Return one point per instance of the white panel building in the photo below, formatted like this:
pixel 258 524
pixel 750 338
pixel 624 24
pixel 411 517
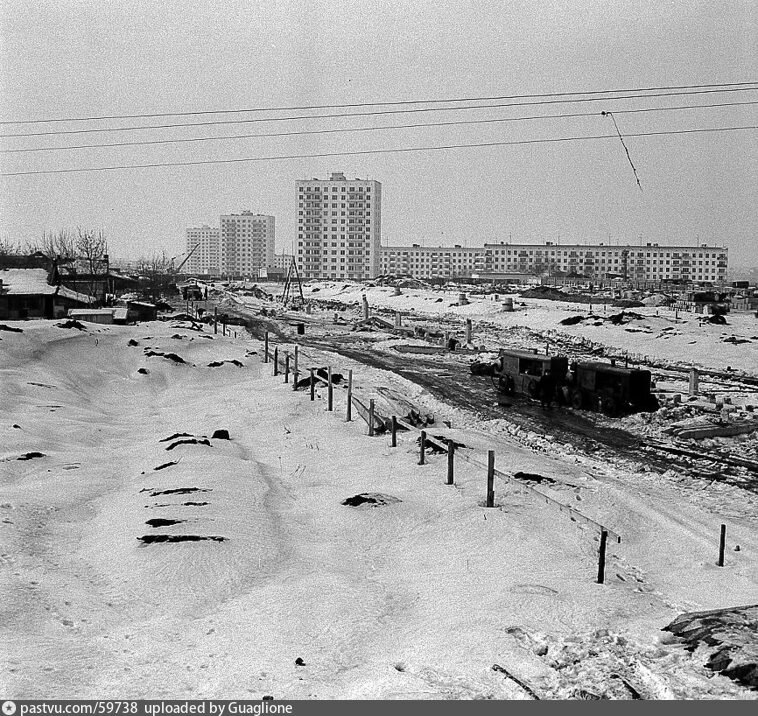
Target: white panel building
pixel 206 258
pixel 339 227
pixel 649 262
pixel 247 243
pixel 431 261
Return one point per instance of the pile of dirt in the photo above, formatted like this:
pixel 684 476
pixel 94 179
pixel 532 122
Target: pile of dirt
pixel 257 292
pixel 627 303
pixel 399 281
pixel 619 319
pixel 370 499
pixel 573 320
pixel 71 323
pixel 12 329
pixel 169 356
pixel 533 478
pixel 483 368
pixel 729 635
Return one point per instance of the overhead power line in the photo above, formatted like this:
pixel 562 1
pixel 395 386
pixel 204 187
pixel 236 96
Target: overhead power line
pixel 398 150
pixel 304 132
pixel 393 103
pixel 344 115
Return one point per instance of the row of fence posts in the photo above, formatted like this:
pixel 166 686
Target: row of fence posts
pixel 450 477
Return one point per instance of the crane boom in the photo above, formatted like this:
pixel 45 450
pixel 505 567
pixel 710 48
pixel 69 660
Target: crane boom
pixel 186 258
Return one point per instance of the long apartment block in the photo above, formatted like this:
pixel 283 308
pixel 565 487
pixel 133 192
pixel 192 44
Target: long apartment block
pixel 648 262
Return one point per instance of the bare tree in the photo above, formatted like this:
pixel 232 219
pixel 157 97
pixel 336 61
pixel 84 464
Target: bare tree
pixel 92 252
pixel 8 247
pixel 157 270
pixel 60 245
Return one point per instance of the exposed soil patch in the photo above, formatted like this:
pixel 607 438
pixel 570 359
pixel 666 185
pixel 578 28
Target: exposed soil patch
pixel 217 363
pixel 220 435
pixel 143 371
pixel 174 437
pixel 189 441
pixel 153 539
pixel 71 323
pixel 179 491
pixel 168 356
pixel 166 464
pixel 534 478
pixel 370 499
pixel 30 455
pixel 12 329
pixel 573 320
pixel 162 522
pixel 194 504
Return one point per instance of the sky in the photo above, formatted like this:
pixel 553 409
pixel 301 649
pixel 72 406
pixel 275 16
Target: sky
pixel 73 59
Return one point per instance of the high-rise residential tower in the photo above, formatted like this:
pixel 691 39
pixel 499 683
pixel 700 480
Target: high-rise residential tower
pixel 247 243
pixel 203 244
pixel 339 227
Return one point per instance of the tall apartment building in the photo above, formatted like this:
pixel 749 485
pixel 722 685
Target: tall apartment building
pixel 247 243
pixel 203 243
pixel 651 262
pixel 339 227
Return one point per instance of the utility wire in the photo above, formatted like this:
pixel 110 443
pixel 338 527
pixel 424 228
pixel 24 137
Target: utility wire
pixel 463 122
pixel 398 150
pixel 369 104
pixel 367 114
pixel 623 144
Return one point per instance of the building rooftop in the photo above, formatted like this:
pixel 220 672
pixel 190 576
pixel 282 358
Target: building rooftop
pixel 26 282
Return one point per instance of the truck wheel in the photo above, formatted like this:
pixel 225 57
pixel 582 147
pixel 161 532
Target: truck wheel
pixel 533 389
pixel 577 401
pixel 506 385
pixel 610 406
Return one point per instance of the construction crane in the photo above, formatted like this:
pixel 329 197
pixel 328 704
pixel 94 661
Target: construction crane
pixel 292 275
pixel 184 261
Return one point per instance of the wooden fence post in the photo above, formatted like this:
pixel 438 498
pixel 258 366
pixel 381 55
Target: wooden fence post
pixel 265 347
pixel 295 371
pixel 286 367
pixel 329 391
pixel 450 462
pixel 349 413
pixel 422 448
pixel 393 441
pixel 722 546
pixel 371 418
pixel 490 478
pixel 601 557
pixel 215 319
pixel 313 386
pixel 276 360
pixel 223 326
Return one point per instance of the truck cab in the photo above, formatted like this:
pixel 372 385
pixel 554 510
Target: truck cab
pixel 523 372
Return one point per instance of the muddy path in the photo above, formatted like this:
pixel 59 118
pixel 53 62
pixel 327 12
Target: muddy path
pixel 446 377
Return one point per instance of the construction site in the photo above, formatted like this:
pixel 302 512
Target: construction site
pixel 385 491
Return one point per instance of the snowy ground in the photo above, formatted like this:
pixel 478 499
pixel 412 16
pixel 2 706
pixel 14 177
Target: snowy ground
pixel 416 599
pixel 681 337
